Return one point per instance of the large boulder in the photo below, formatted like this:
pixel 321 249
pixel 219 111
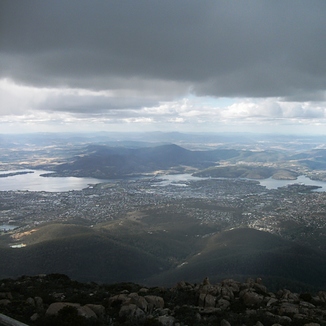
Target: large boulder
pixel 288 308
pixel 130 311
pixel 83 311
pixel 39 303
pixel 119 299
pixel 139 301
pixel 55 307
pixel 252 299
pixel 206 300
pixel 166 320
pixel 98 309
pixel 154 302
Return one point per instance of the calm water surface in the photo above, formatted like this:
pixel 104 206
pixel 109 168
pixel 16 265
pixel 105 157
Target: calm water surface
pixel 7 227
pixel 273 184
pixel 269 183
pixel 176 179
pixel 34 182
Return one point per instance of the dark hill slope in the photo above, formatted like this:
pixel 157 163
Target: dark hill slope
pixel 88 256
pixel 114 162
pixel 247 252
pixel 129 252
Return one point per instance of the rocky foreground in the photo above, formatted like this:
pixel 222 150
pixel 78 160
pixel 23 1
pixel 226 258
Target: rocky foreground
pixel 56 300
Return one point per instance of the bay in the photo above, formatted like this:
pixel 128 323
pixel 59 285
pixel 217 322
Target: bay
pixel 271 183
pixel 35 182
pixel 7 227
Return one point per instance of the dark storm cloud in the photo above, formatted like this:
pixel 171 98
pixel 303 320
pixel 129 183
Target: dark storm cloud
pixel 218 48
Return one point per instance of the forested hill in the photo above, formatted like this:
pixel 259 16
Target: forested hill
pixel 115 162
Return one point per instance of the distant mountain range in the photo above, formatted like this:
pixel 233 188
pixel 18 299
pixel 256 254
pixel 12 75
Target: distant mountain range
pixel 106 162
pixel 119 155
pixel 116 162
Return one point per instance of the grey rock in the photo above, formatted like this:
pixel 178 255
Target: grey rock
pixel 39 303
pixel 30 301
pixel 227 292
pixel 322 296
pixel 260 288
pixel 231 284
pixel 166 320
pixel 154 302
pixel 223 304
pixel 139 301
pixel 206 281
pixel 35 316
pixel 288 308
pixel 209 311
pixel 289 296
pixel 201 299
pixel 123 298
pixel 58 296
pixel 271 302
pixel 307 305
pixel 55 307
pixel 210 301
pixel 224 322
pixel 86 312
pixel 131 311
pixel 4 302
pixel 259 324
pixel 162 312
pixel 98 309
pixel 181 285
pixel 299 317
pixel 284 320
pixel 252 299
pixel 272 318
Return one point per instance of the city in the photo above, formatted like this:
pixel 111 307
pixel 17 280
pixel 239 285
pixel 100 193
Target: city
pixel 293 212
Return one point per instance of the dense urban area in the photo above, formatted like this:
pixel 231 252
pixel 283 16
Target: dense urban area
pixel 294 212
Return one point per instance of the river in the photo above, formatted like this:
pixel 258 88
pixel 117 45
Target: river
pixel 269 183
pixel 35 182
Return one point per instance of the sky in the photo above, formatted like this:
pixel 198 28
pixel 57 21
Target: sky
pixel 163 65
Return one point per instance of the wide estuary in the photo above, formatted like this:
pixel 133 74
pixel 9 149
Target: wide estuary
pixel 33 181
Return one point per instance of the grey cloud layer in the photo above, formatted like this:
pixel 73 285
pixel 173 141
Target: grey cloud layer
pixel 216 48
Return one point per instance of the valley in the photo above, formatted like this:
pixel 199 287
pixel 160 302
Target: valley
pixel 155 229
pixel 164 226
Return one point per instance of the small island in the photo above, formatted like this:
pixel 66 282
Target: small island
pixel 299 187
